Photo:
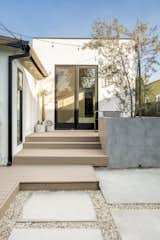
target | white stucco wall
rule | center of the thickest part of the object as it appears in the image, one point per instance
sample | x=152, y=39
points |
x=3, y=106
x=70, y=51
x=30, y=107
x=30, y=104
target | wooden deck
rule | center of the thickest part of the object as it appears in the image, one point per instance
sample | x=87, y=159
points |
x=17, y=178
x=62, y=148
x=59, y=160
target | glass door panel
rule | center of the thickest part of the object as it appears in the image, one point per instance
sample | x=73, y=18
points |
x=86, y=96
x=65, y=96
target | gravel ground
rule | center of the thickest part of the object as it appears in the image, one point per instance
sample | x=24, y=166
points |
x=104, y=218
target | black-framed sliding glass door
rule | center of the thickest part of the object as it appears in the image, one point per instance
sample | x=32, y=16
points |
x=75, y=96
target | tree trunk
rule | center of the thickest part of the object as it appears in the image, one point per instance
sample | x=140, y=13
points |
x=139, y=82
x=131, y=105
x=129, y=87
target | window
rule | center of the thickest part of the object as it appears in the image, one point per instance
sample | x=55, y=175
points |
x=158, y=103
x=19, y=106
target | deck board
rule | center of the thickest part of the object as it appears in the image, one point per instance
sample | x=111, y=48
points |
x=67, y=133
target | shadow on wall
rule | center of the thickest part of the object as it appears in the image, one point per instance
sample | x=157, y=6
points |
x=109, y=107
x=113, y=107
x=31, y=84
x=30, y=103
x=48, y=85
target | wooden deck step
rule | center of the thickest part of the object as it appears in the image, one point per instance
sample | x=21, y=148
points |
x=64, y=136
x=62, y=139
x=50, y=178
x=62, y=145
x=94, y=157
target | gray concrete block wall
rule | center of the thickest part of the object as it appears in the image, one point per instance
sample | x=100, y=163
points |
x=131, y=143
x=102, y=133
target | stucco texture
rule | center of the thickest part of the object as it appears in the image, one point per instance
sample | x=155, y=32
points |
x=131, y=143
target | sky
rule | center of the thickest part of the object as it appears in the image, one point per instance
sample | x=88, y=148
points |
x=72, y=18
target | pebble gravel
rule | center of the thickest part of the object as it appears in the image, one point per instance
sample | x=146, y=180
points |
x=105, y=222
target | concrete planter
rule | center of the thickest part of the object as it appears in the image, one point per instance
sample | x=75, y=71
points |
x=131, y=143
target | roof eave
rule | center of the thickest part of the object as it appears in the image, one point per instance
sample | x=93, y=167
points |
x=34, y=65
x=31, y=62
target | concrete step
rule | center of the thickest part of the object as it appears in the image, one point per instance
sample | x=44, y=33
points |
x=62, y=145
x=94, y=157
